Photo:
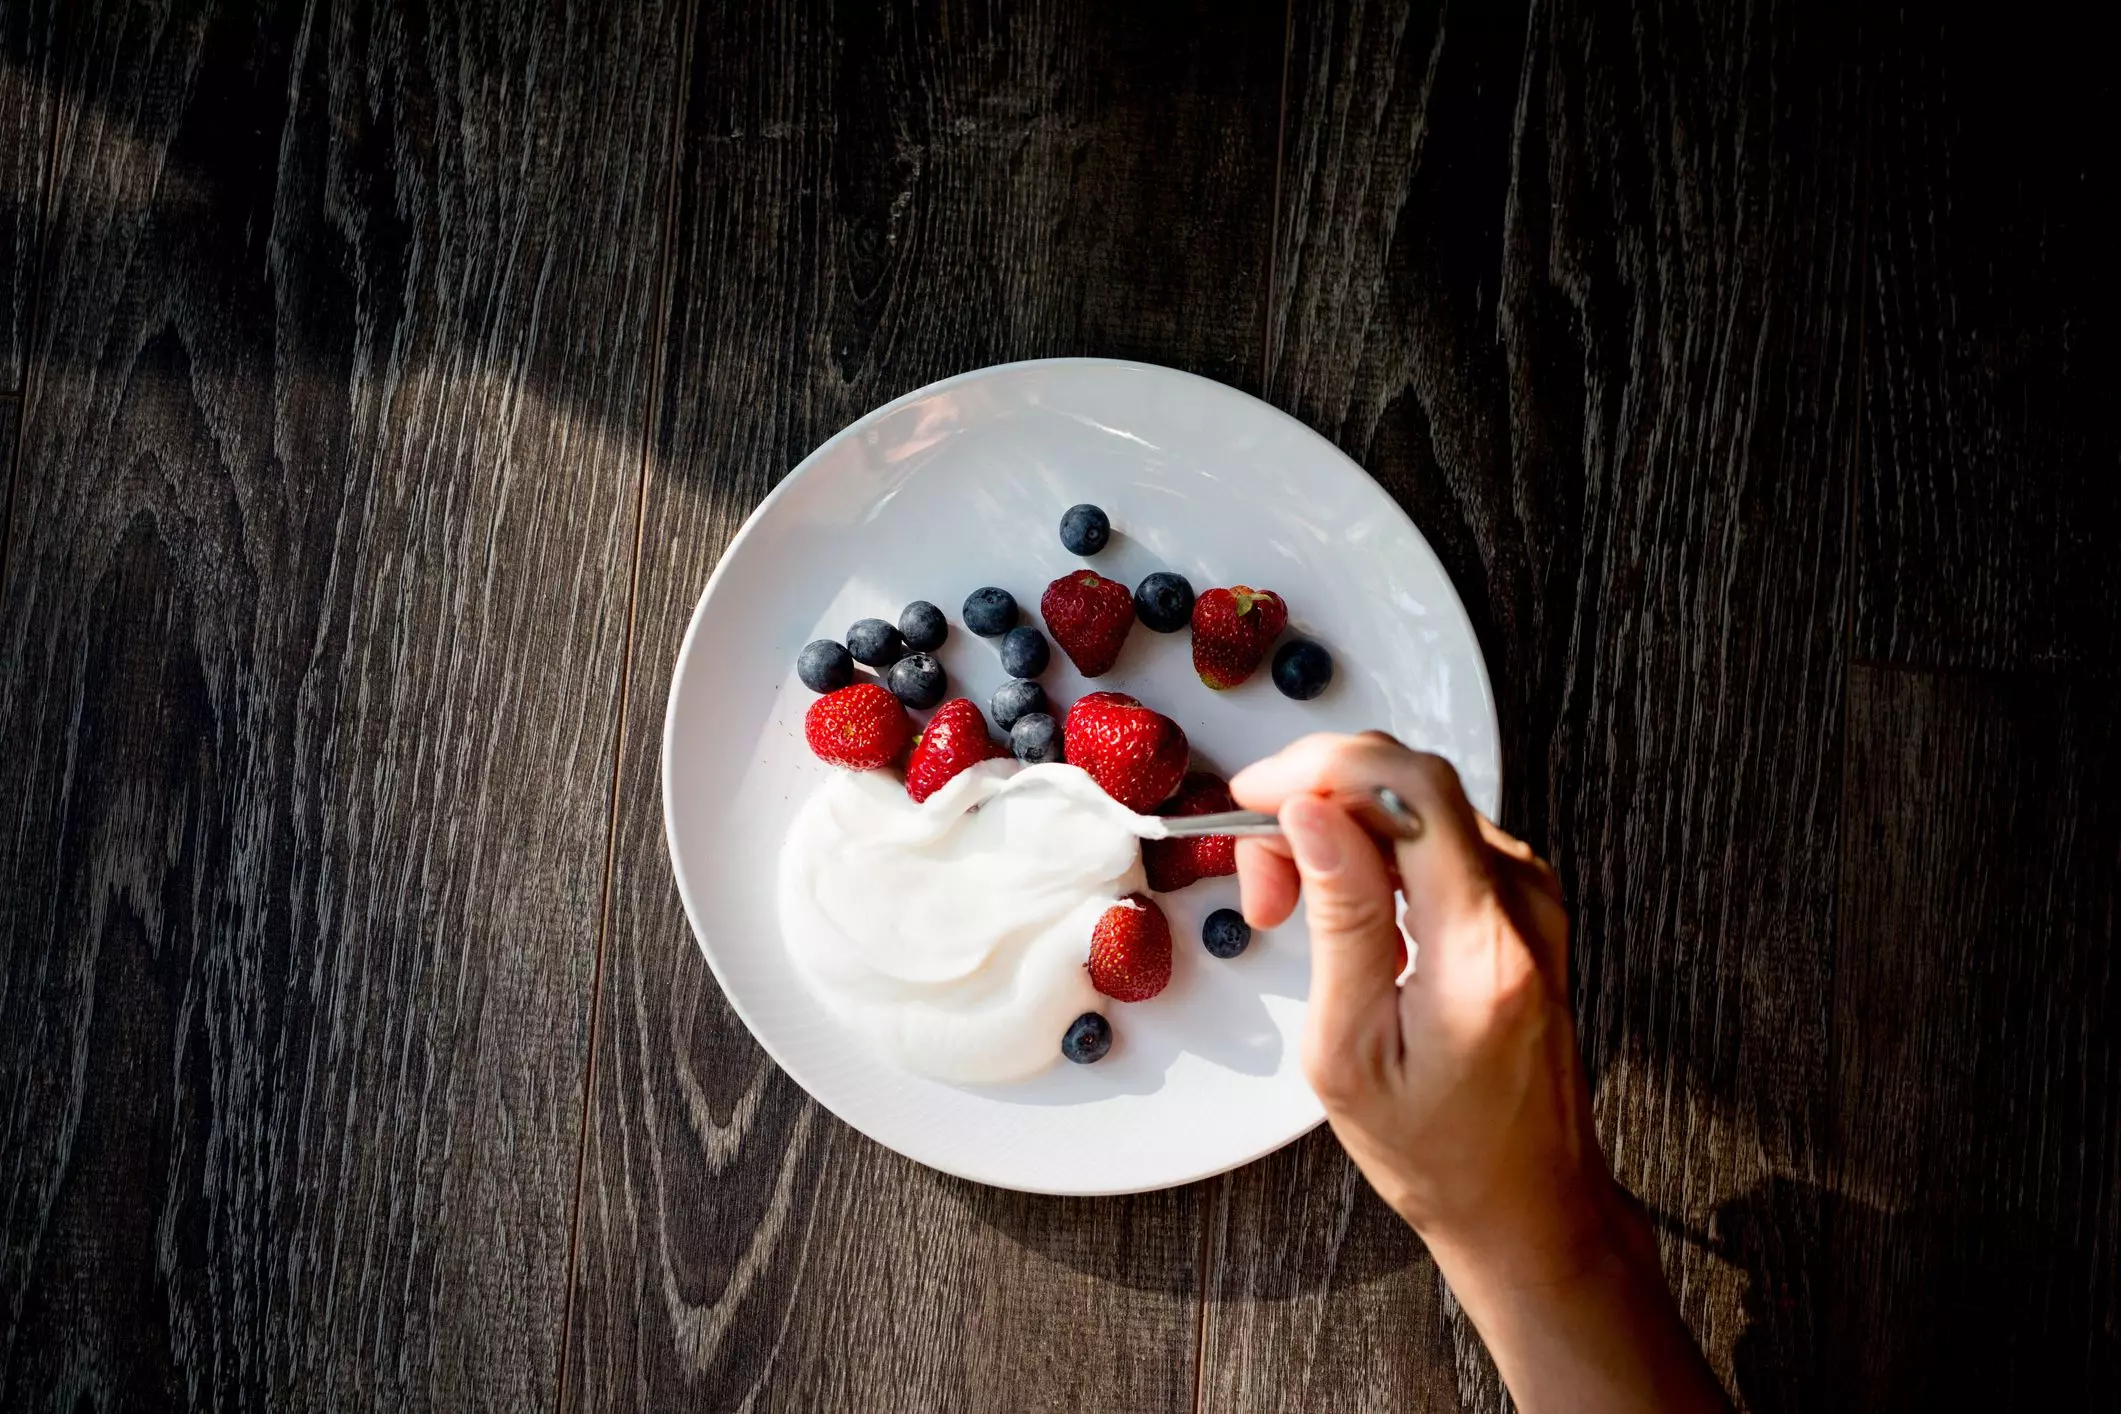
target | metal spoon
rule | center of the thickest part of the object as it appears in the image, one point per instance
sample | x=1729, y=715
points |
x=1380, y=811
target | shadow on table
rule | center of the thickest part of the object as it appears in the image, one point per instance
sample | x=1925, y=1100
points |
x=1152, y=1241
x=1873, y=1310
x=1147, y=1242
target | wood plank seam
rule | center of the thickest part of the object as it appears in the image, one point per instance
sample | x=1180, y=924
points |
x=1211, y=1192
x=666, y=280
x=1823, y=1163
x=7, y=491
x=29, y=346
x=1281, y=151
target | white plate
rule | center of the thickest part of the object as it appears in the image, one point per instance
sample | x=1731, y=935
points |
x=962, y=484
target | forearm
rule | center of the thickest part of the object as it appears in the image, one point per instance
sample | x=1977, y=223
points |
x=1588, y=1325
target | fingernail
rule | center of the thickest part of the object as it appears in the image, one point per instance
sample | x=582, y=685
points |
x=1303, y=820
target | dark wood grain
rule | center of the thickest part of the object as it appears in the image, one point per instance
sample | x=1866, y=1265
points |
x=1991, y=487
x=10, y=422
x=871, y=201
x=1734, y=363
x=312, y=630
x=1581, y=291
x=1322, y=1298
x=26, y=115
x=10, y=428
x=1971, y=1250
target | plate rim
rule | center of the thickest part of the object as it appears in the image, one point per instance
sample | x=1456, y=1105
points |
x=817, y=454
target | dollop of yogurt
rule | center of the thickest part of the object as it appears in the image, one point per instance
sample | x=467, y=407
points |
x=954, y=932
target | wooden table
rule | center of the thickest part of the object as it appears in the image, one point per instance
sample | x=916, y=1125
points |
x=383, y=380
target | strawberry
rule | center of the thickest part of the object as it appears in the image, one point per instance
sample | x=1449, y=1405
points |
x=1137, y=755
x=1232, y=630
x=860, y=727
x=956, y=738
x=1088, y=616
x=1173, y=864
x=1130, y=950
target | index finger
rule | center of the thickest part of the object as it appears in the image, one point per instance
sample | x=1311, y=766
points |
x=1446, y=874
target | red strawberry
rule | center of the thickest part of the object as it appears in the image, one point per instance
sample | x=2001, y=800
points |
x=1232, y=630
x=1173, y=864
x=956, y=738
x=860, y=727
x=1088, y=616
x=1130, y=950
x=1137, y=755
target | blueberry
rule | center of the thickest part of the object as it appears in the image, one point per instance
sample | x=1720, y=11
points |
x=1088, y=1038
x=1015, y=700
x=1225, y=934
x=990, y=612
x=923, y=626
x=1164, y=602
x=1085, y=529
x=875, y=642
x=1024, y=652
x=825, y=666
x=1302, y=669
x=917, y=680
x=1035, y=739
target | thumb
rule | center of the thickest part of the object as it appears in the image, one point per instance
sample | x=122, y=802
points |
x=1347, y=895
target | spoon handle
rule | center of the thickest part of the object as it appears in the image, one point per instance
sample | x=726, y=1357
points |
x=1379, y=811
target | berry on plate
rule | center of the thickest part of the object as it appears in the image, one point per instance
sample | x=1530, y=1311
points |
x=990, y=612
x=1089, y=1037
x=860, y=727
x=923, y=626
x=1024, y=652
x=1035, y=739
x=1173, y=864
x=1130, y=950
x=1164, y=602
x=1136, y=754
x=1225, y=933
x=1084, y=529
x=917, y=680
x=1088, y=616
x=1302, y=669
x=1014, y=700
x=875, y=642
x=955, y=740
x=825, y=666
x=1232, y=630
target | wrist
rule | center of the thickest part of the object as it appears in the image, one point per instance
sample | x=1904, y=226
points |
x=1583, y=1232
x=1576, y=1312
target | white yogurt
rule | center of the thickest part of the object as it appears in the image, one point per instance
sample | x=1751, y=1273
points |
x=954, y=932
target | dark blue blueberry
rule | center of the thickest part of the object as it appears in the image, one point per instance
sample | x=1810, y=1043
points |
x=923, y=626
x=1035, y=739
x=1014, y=700
x=1164, y=602
x=917, y=680
x=1225, y=934
x=825, y=666
x=1024, y=652
x=1088, y=1038
x=1302, y=669
x=1085, y=529
x=990, y=612
x=875, y=642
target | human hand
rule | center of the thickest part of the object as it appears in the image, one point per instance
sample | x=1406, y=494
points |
x=1461, y=1095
